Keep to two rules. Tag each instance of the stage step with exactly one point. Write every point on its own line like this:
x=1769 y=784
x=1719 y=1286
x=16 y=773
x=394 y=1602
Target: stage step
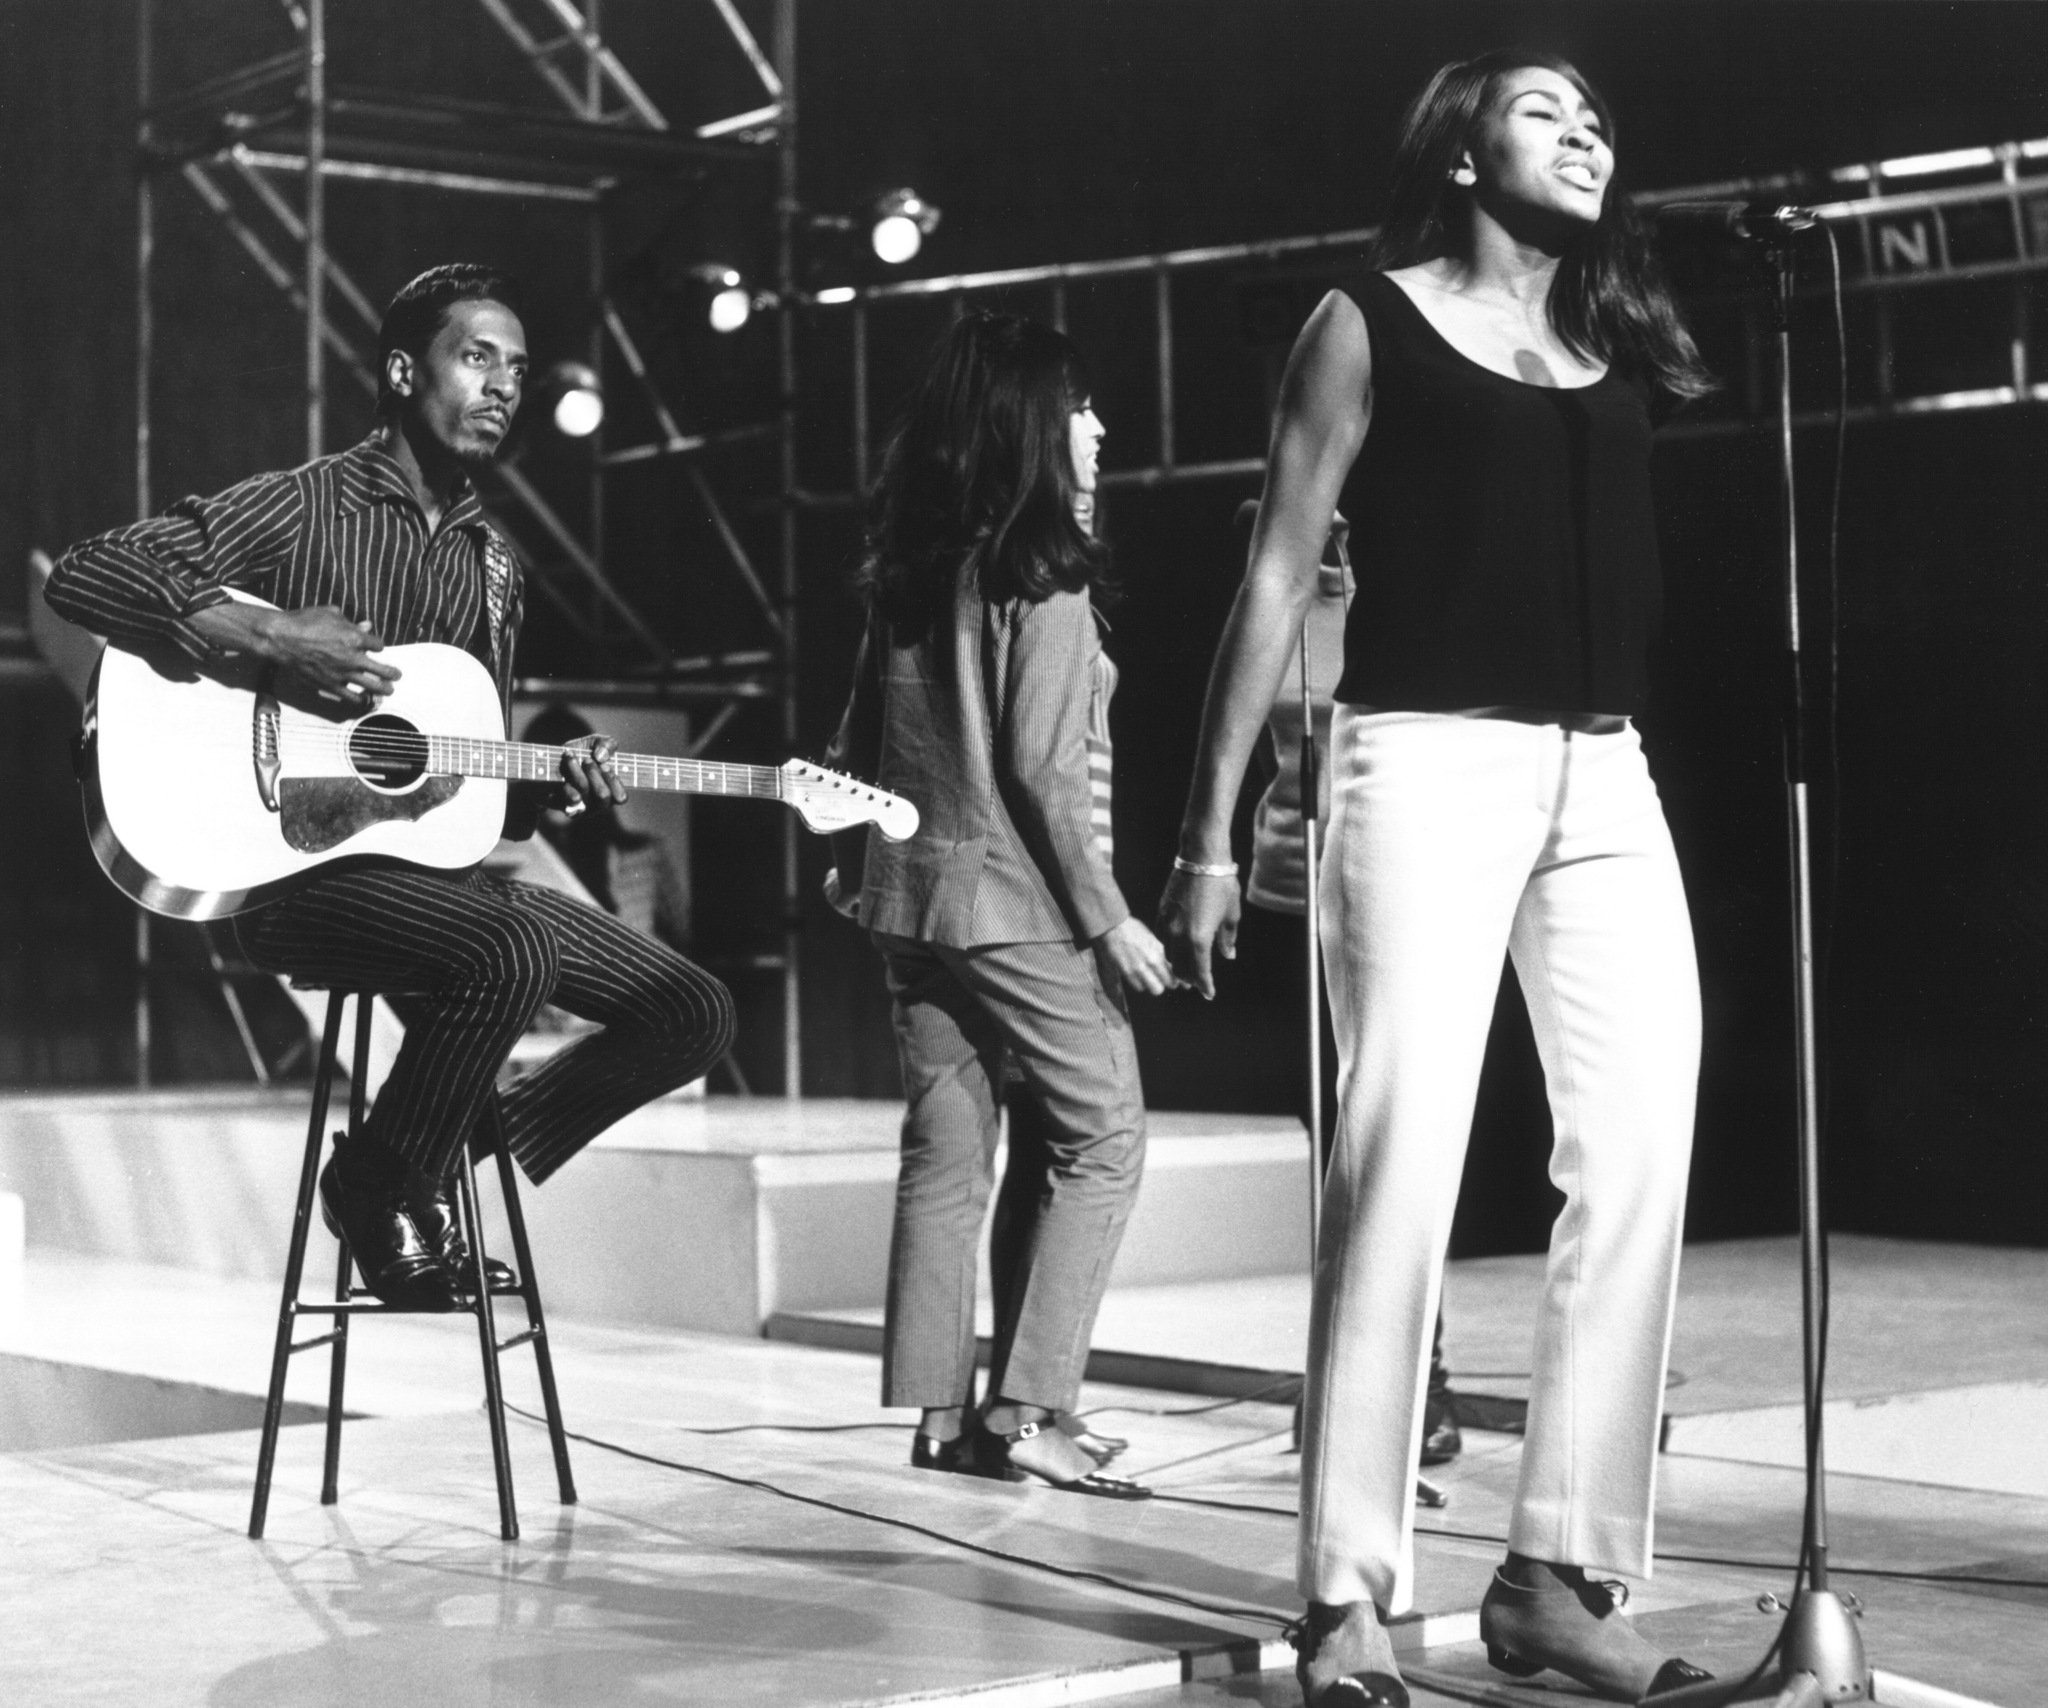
x=691 y=1213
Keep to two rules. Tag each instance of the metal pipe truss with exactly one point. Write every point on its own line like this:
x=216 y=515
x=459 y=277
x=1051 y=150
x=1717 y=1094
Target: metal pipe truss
x=1979 y=218
x=239 y=141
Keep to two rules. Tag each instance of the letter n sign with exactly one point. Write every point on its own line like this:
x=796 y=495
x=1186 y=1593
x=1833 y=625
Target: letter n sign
x=1905 y=246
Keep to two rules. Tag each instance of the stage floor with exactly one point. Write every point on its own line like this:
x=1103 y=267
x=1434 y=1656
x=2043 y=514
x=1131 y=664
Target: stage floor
x=809 y=1565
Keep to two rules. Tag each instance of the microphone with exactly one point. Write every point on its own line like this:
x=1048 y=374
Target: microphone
x=1754 y=222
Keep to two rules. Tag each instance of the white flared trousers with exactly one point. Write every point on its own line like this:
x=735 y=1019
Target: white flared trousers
x=1455 y=837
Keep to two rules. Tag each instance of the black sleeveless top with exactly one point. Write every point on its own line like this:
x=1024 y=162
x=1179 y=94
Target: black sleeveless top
x=1506 y=551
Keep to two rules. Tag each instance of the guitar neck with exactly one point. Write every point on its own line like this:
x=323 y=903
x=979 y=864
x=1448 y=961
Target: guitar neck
x=530 y=762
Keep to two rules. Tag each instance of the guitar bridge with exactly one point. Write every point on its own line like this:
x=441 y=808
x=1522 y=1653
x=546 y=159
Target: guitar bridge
x=268 y=720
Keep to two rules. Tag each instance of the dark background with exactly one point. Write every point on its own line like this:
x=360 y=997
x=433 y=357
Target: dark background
x=1070 y=129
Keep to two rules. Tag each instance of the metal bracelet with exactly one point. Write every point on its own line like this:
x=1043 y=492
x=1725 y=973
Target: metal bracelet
x=1195 y=870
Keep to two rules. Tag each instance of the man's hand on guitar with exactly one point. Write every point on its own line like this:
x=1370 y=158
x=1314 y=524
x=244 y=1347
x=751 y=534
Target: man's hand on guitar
x=326 y=652
x=587 y=773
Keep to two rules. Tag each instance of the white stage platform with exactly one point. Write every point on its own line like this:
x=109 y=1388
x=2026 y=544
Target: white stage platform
x=799 y=1562
x=693 y=1213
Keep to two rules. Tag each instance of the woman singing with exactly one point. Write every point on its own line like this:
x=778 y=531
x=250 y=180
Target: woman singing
x=981 y=695
x=1480 y=405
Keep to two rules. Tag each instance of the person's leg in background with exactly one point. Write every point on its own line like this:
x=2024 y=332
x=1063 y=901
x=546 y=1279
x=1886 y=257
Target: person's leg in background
x=1018 y=1200
x=951 y=1056
x=1071 y=1039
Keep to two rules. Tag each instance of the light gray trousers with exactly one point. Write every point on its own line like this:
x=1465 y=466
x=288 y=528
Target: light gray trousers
x=1456 y=837
x=956 y=1013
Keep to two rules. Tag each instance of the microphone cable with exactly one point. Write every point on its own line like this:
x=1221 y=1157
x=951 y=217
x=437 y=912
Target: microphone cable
x=1078 y=1574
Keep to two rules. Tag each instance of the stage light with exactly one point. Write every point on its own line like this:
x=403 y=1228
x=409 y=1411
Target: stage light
x=728 y=302
x=574 y=399
x=902 y=221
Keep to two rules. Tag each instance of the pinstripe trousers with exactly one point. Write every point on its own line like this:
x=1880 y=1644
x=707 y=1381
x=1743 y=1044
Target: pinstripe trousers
x=470 y=958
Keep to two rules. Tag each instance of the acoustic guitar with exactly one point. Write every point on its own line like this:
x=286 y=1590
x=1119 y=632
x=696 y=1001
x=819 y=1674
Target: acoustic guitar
x=205 y=798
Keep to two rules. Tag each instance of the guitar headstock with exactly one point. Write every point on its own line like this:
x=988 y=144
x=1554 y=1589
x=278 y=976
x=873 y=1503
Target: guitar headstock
x=827 y=801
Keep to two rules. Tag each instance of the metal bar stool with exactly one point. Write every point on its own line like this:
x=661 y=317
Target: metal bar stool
x=351 y=1301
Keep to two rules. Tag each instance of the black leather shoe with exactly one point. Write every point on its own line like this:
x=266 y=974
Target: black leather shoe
x=432 y=1203
x=1344 y=1659
x=928 y=1453
x=1441 y=1440
x=1570 y=1623
x=396 y=1263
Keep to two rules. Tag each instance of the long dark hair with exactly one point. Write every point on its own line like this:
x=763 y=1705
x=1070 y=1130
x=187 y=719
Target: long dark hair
x=981 y=464
x=1608 y=301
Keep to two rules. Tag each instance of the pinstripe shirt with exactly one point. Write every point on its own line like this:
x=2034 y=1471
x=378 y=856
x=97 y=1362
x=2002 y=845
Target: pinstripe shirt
x=344 y=530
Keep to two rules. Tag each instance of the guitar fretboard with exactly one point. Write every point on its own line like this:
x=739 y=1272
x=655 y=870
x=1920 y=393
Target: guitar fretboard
x=529 y=762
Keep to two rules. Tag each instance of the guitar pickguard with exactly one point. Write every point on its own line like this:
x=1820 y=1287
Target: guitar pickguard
x=319 y=813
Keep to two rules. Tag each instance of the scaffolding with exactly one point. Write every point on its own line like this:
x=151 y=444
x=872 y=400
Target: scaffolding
x=239 y=140
x=1971 y=218
x=1974 y=216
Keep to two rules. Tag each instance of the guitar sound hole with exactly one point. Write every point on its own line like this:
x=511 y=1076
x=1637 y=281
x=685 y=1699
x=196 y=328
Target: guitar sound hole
x=387 y=752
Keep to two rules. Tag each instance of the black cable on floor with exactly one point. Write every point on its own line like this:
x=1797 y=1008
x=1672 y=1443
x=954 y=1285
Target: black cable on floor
x=1247 y=1615
x=778 y=1428
x=1280 y=1386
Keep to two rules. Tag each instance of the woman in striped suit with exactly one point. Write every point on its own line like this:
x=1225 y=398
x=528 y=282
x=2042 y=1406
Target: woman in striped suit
x=981 y=694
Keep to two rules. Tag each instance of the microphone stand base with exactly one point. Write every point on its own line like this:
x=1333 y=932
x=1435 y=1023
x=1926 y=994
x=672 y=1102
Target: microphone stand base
x=1822 y=1664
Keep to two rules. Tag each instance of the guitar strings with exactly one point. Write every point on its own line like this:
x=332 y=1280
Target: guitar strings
x=408 y=748
x=399 y=743
x=405 y=748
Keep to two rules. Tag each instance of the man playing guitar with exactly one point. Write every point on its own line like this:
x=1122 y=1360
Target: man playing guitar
x=386 y=544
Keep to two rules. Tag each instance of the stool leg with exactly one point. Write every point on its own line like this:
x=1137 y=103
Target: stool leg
x=487 y=1331
x=294 y=1268
x=337 y=1371
x=337 y=1363
x=536 y=1319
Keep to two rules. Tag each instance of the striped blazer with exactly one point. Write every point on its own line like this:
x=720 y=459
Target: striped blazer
x=982 y=722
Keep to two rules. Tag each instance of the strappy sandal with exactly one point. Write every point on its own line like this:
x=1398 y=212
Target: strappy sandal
x=1098 y=1446
x=991 y=1453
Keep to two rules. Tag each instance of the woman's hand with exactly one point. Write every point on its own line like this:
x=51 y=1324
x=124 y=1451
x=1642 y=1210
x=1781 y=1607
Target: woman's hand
x=1137 y=957
x=1199 y=912
x=587 y=772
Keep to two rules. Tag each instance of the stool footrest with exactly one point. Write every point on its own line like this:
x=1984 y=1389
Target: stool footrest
x=521 y=1339
x=327 y=1339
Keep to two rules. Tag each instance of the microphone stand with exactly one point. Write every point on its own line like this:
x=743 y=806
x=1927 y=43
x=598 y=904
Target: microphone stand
x=1820 y=1649
x=1311 y=812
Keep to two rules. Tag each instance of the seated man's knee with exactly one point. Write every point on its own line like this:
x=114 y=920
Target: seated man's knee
x=690 y=1018
x=508 y=953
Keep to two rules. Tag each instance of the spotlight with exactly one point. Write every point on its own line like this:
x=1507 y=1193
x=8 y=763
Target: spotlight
x=902 y=221
x=728 y=304
x=574 y=399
